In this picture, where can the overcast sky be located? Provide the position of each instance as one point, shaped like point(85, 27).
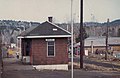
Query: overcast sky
point(39, 10)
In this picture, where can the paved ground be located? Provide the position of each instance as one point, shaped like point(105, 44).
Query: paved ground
point(13, 68)
point(15, 64)
point(58, 74)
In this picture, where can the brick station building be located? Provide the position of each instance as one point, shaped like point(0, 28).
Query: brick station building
point(46, 44)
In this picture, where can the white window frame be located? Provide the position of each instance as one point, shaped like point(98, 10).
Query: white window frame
point(53, 45)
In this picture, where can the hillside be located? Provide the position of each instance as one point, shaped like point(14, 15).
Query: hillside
point(11, 28)
point(98, 29)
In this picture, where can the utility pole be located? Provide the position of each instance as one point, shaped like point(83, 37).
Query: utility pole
point(1, 61)
point(106, 39)
point(81, 35)
point(71, 39)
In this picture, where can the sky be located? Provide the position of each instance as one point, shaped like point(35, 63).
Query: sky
point(60, 10)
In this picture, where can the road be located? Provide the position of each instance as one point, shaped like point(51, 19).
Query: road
point(13, 68)
point(58, 74)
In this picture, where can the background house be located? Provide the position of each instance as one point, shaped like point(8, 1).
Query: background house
point(46, 44)
point(99, 43)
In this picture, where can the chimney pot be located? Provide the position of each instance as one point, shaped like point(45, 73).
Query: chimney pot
point(50, 19)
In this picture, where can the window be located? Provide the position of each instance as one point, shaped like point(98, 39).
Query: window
point(50, 48)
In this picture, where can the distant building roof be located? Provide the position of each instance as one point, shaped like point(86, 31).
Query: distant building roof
point(114, 41)
point(97, 41)
point(100, 41)
point(46, 29)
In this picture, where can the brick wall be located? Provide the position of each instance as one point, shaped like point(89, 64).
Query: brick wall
point(39, 52)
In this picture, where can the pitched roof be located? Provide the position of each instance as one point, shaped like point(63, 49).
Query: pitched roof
point(46, 29)
point(97, 41)
point(100, 41)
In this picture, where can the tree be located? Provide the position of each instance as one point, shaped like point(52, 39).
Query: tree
point(12, 40)
point(85, 35)
point(118, 34)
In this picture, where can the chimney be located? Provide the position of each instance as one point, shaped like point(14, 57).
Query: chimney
point(50, 19)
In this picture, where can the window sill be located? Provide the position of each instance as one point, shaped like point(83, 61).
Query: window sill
point(51, 56)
